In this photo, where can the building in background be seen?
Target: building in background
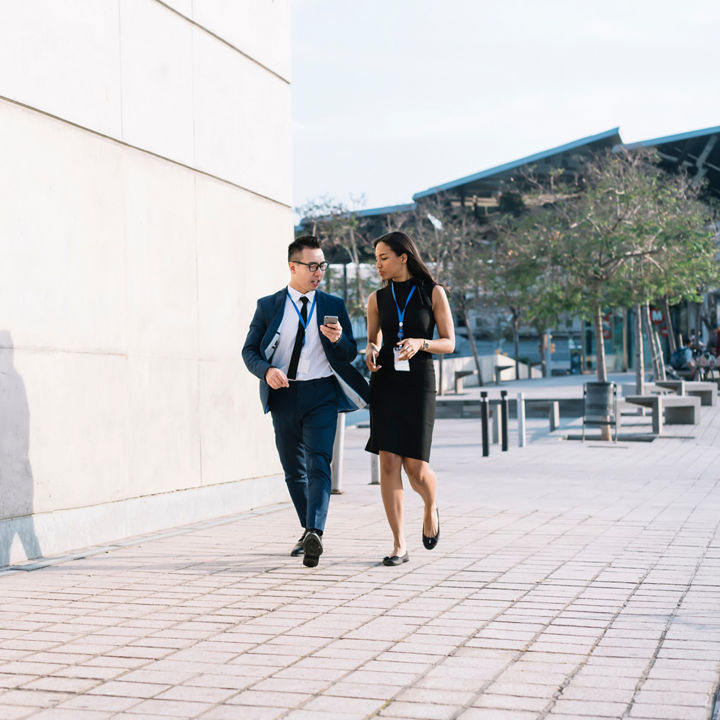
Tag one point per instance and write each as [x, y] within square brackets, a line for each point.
[696, 152]
[145, 203]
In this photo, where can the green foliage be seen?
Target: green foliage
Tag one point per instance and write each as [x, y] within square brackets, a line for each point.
[337, 226]
[522, 277]
[616, 232]
[627, 233]
[619, 233]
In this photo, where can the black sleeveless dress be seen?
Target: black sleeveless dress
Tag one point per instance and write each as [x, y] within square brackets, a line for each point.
[402, 404]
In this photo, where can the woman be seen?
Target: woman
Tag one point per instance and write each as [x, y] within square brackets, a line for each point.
[401, 319]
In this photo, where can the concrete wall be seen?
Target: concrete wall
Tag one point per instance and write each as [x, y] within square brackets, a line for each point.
[144, 206]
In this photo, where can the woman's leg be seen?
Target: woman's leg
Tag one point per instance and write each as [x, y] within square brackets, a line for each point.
[391, 490]
[424, 482]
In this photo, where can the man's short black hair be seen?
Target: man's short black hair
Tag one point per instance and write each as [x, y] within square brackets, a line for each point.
[295, 248]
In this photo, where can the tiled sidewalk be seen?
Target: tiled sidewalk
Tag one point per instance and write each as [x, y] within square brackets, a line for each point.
[571, 581]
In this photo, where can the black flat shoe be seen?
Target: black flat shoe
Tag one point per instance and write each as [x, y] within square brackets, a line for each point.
[299, 548]
[393, 560]
[313, 549]
[431, 542]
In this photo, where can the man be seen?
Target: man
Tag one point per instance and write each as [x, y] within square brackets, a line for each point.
[305, 379]
[683, 360]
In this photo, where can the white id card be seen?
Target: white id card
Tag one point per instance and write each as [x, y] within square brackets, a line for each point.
[400, 365]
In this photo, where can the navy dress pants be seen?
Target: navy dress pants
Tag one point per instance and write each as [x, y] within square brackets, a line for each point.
[305, 418]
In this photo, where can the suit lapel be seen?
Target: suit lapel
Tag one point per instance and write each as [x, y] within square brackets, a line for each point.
[272, 334]
[278, 309]
[320, 310]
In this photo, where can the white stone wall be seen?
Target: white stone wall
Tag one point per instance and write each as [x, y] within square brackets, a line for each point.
[144, 206]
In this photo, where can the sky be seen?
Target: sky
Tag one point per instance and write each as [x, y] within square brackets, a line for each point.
[391, 97]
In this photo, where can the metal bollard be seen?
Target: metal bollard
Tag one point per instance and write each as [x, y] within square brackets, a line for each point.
[504, 419]
[338, 455]
[521, 419]
[484, 419]
[374, 469]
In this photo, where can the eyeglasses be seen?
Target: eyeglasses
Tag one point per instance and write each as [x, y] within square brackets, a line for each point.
[313, 267]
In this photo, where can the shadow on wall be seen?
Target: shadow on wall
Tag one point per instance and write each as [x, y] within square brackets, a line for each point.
[16, 479]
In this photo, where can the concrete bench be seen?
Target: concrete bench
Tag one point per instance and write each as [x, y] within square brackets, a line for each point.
[552, 407]
[650, 389]
[706, 391]
[468, 406]
[671, 409]
[494, 404]
[499, 367]
[459, 375]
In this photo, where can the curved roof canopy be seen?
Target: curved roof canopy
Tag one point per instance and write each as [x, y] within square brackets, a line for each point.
[490, 181]
[696, 152]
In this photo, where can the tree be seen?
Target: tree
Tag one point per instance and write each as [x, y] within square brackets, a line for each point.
[675, 251]
[614, 230]
[452, 240]
[520, 275]
[337, 225]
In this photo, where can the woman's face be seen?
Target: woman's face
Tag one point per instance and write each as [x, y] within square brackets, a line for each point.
[388, 264]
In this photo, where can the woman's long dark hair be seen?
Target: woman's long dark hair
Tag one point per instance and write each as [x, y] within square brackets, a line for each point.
[400, 243]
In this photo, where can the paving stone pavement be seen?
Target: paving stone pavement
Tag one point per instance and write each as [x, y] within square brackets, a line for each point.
[570, 581]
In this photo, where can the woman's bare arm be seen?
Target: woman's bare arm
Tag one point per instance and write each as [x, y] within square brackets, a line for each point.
[445, 341]
[374, 334]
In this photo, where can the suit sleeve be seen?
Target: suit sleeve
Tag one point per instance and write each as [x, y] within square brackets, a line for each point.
[345, 348]
[252, 352]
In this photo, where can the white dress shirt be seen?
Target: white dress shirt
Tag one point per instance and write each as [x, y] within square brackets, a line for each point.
[313, 363]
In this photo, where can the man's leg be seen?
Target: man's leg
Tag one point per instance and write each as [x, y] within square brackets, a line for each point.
[319, 423]
[288, 440]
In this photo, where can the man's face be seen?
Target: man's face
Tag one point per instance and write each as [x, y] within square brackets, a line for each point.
[302, 278]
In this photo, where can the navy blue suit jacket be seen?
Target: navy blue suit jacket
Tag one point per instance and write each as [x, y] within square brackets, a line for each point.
[264, 334]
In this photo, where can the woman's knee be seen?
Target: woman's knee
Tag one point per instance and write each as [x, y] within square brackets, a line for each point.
[413, 466]
[414, 470]
[390, 463]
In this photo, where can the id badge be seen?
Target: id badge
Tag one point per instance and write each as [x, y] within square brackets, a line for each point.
[400, 365]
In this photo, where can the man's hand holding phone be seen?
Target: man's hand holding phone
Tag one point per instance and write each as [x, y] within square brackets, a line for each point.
[331, 328]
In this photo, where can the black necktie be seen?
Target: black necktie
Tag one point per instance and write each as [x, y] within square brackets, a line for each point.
[295, 358]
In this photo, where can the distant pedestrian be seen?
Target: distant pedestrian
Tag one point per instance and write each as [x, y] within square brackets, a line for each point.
[300, 344]
[402, 317]
[683, 360]
[716, 336]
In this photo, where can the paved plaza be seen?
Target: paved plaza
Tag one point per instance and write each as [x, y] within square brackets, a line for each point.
[571, 581]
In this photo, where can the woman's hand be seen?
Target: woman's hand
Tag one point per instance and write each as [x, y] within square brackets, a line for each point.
[410, 347]
[371, 353]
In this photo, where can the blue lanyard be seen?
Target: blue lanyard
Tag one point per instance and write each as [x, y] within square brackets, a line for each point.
[304, 323]
[401, 315]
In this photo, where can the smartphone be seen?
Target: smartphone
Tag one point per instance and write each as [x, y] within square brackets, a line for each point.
[329, 319]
